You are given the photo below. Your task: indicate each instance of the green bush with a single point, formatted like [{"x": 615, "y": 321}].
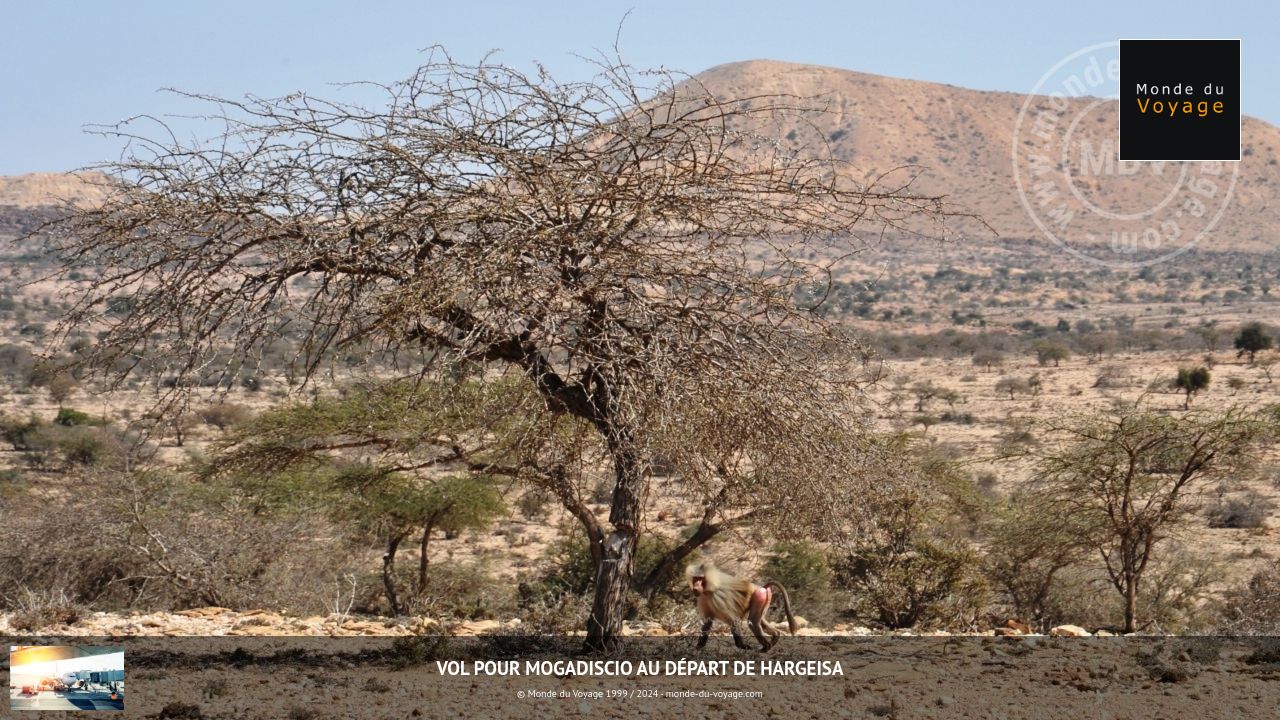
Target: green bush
[
  {"x": 70, "y": 417},
  {"x": 800, "y": 565},
  {"x": 930, "y": 582},
  {"x": 72, "y": 440},
  {"x": 572, "y": 573},
  {"x": 802, "y": 568},
  {"x": 84, "y": 446},
  {"x": 571, "y": 570},
  {"x": 912, "y": 562},
  {"x": 649, "y": 552}
]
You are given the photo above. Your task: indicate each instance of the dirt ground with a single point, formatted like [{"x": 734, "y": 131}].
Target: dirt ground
[{"x": 970, "y": 677}]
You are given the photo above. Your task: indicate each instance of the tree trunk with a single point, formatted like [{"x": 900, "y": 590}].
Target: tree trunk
[
  {"x": 389, "y": 574},
  {"x": 613, "y": 575},
  {"x": 422, "y": 559},
  {"x": 1131, "y": 606}
]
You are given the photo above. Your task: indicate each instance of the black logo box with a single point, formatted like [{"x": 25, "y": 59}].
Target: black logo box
[{"x": 1186, "y": 68}]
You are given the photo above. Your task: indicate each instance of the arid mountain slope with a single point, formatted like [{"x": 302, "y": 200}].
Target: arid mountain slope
[
  {"x": 44, "y": 189},
  {"x": 964, "y": 141}
]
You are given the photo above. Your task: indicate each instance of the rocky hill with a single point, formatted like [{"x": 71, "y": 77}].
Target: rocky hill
[
  {"x": 964, "y": 141},
  {"x": 35, "y": 190}
]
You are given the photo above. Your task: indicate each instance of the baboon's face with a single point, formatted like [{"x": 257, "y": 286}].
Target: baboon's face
[{"x": 697, "y": 582}]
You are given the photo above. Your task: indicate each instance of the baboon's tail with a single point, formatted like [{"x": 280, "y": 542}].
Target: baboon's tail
[{"x": 786, "y": 604}]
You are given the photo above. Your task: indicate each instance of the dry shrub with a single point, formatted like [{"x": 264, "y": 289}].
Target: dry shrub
[
  {"x": 464, "y": 590},
  {"x": 164, "y": 541},
  {"x": 224, "y": 415},
  {"x": 75, "y": 550},
  {"x": 180, "y": 711},
  {"x": 1253, "y": 609},
  {"x": 1171, "y": 599},
  {"x": 39, "y": 610},
  {"x": 802, "y": 567},
  {"x": 1249, "y": 511}
]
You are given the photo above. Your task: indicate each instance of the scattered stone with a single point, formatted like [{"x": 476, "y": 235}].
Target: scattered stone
[
  {"x": 479, "y": 627},
  {"x": 1069, "y": 631},
  {"x": 211, "y": 611}
]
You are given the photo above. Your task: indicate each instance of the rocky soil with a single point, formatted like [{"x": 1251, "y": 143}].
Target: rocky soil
[{"x": 224, "y": 622}]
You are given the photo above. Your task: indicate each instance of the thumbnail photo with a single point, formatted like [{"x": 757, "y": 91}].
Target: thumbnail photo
[{"x": 66, "y": 677}]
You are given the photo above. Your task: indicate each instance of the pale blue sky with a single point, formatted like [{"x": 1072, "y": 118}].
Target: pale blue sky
[{"x": 66, "y": 64}]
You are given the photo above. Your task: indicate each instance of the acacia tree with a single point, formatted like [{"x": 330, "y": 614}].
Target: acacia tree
[
  {"x": 1129, "y": 475},
  {"x": 1191, "y": 381},
  {"x": 391, "y": 506},
  {"x": 1251, "y": 340},
  {"x": 632, "y": 245}
]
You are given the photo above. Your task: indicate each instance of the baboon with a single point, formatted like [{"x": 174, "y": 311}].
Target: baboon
[{"x": 729, "y": 599}]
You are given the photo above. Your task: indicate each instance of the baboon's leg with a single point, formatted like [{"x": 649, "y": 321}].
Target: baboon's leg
[
  {"x": 737, "y": 637},
  {"x": 774, "y": 630},
  {"x": 756, "y": 611},
  {"x": 756, "y": 628},
  {"x": 706, "y": 630}
]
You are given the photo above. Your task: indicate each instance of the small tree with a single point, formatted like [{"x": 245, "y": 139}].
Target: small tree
[
  {"x": 61, "y": 387},
  {"x": 1210, "y": 335},
  {"x": 927, "y": 391},
  {"x": 1097, "y": 344},
  {"x": 1191, "y": 381},
  {"x": 1128, "y": 475},
  {"x": 1050, "y": 351},
  {"x": 452, "y": 505},
  {"x": 988, "y": 359},
  {"x": 925, "y": 420},
  {"x": 392, "y": 506},
  {"x": 1012, "y": 385},
  {"x": 1251, "y": 340}
]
